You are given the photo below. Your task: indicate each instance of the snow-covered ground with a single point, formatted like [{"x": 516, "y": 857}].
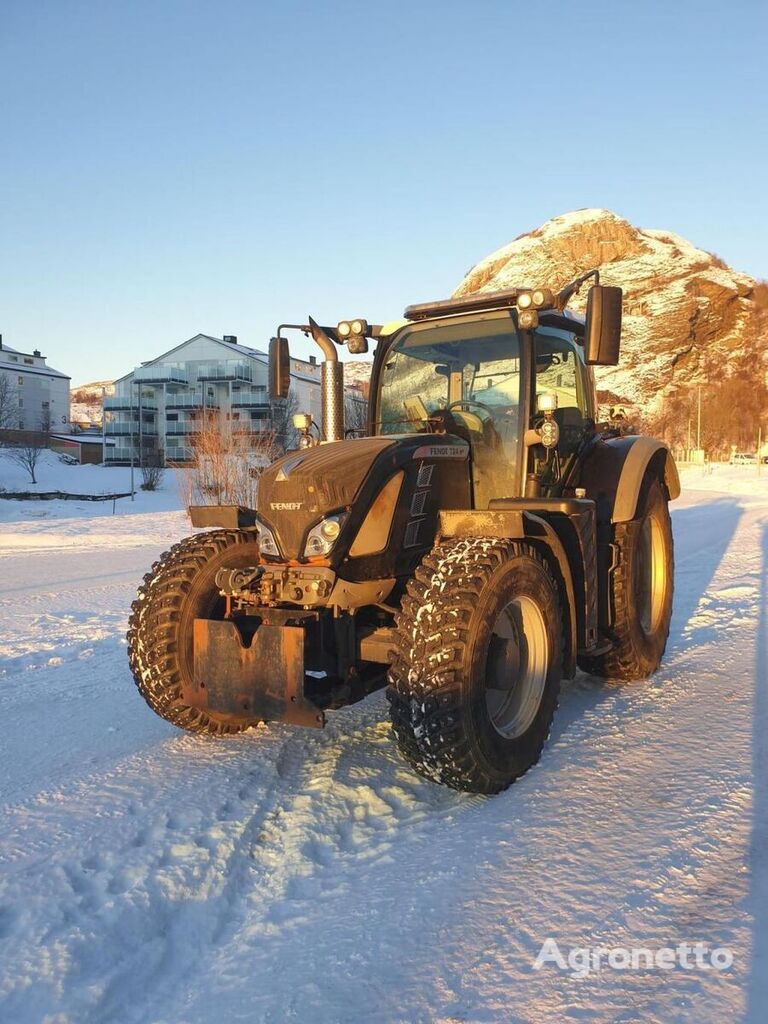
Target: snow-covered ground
[{"x": 288, "y": 875}]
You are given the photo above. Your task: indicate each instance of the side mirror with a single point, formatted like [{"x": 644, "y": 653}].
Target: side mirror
[
  {"x": 279, "y": 368},
  {"x": 602, "y": 332}
]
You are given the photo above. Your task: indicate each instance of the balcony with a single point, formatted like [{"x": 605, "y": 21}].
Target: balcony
[
  {"x": 125, "y": 403},
  {"x": 225, "y": 370},
  {"x": 180, "y": 454},
  {"x": 248, "y": 398},
  {"x": 161, "y": 374},
  {"x": 190, "y": 400},
  {"x": 148, "y": 430}
]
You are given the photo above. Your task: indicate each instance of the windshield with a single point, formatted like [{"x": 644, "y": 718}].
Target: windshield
[{"x": 466, "y": 375}]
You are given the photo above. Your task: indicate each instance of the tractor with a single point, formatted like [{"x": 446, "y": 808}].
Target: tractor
[{"x": 484, "y": 539}]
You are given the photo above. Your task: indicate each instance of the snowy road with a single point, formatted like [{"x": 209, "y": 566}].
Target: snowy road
[{"x": 149, "y": 876}]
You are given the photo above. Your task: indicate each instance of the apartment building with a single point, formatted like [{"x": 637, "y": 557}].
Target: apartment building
[
  {"x": 37, "y": 396},
  {"x": 159, "y": 407}
]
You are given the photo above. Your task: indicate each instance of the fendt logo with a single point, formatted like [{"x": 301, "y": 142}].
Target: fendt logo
[{"x": 285, "y": 506}]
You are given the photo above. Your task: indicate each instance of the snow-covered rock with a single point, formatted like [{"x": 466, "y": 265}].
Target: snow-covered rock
[
  {"x": 85, "y": 401},
  {"x": 688, "y": 317}
]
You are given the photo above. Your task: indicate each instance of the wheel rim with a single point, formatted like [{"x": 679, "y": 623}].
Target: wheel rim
[
  {"x": 516, "y": 671},
  {"x": 651, "y": 574}
]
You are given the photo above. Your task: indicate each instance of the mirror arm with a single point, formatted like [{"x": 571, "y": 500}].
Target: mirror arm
[{"x": 564, "y": 295}]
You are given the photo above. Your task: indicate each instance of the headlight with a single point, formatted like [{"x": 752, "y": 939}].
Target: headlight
[
  {"x": 344, "y": 329},
  {"x": 267, "y": 543},
  {"x": 539, "y": 298},
  {"x": 321, "y": 538},
  {"x": 524, "y": 299},
  {"x": 359, "y": 326}
]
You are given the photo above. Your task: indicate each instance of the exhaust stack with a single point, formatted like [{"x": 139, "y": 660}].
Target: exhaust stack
[{"x": 332, "y": 385}]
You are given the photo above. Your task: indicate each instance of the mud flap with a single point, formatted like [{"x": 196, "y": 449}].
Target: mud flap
[{"x": 264, "y": 680}]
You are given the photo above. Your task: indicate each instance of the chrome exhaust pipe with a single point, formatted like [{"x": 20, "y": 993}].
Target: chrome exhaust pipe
[{"x": 332, "y": 385}]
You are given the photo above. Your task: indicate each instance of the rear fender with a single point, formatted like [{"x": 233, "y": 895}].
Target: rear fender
[{"x": 613, "y": 474}]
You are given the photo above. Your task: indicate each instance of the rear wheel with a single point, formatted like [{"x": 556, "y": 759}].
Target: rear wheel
[
  {"x": 643, "y": 584},
  {"x": 476, "y": 673},
  {"x": 180, "y": 588}
]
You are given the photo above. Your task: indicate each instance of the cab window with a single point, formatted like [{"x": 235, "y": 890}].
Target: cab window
[
  {"x": 467, "y": 374},
  {"x": 560, "y": 371}
]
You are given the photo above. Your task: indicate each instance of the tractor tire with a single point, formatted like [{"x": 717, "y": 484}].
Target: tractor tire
[
  {"x": 180, "y": 588},
  {"x": 643, "y": 586},
  {"x": 477, "y": 611}
]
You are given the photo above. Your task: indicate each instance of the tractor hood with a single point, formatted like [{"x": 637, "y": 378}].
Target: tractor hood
[{"x": 301, "y": 488}]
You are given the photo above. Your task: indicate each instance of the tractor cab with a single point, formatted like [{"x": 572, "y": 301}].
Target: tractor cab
[{"x": 482, "y": 379}]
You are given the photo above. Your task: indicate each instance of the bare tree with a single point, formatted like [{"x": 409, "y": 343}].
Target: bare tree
[
  {"x": 355, "y": 413},
  {"x": 227, "y": 461},
  {"x": 27, "y": 455},
  {"x": 151, "y": 476},
  {"x": 281, "y": 422}
]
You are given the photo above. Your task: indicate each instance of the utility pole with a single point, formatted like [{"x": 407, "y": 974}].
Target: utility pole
[
  {"x": 141, "y": 439},
  {"x": 698, "y": 421},
  {"x": 759, "y": 448},
  {"x": 130, "y": 437}
]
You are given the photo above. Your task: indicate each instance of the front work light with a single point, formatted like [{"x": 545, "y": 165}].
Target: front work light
[
  {"x": 537, "y": 299},
  {"x": 527, "y": 319},
  {"x": 354, "y": 334},
  {"x": 546, "y": 401}
]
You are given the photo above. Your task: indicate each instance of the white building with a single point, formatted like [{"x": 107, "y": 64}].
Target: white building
[
  {"x": 178, "y": 389},
  {"x": 38, "y": 392}
]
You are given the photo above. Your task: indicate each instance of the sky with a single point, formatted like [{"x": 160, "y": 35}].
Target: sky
[{"x": 172, "y": 167}]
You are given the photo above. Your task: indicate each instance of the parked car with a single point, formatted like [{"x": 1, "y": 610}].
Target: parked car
[{"x": 744, "y": 459}]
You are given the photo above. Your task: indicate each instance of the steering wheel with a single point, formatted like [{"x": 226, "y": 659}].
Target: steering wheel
[{"x": 470, "y": 401}]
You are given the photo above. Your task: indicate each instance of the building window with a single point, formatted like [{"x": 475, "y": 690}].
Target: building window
[
  {"x": 19, "y": 380},
  {"x": 46, "y": 405},
  {"x": 172, "y": 417},
  {"x": 21, "y": 403},
  {"x": 30, "y": 362}
]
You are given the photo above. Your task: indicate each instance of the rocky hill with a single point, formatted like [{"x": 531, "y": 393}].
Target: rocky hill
[
  {"x": 689, "y": 319},
  {"x": 85, "y": 401}
]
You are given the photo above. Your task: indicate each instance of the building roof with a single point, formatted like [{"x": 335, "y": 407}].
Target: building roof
[
  {"x": 80, "y": 438},
  {"x": 41, "y": 371},
  {"x": 234, "y": 348},
  {"x": 242, "y": 350},
  {"x": 45, "y": 371}
]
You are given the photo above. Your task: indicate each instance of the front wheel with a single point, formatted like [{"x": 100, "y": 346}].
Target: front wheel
[
  {"x": 476, "y": 672},
  {"x": 180, "y": 588}
]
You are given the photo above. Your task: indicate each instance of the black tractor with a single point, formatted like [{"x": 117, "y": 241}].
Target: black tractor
[{"x": 484, "y": 539}]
